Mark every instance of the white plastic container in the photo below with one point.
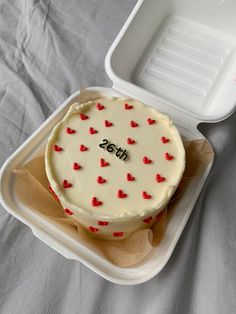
(178, 56)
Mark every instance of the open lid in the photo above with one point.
(179, 56)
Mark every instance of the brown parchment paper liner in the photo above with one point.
(31, 187)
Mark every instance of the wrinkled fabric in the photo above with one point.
(49, 49)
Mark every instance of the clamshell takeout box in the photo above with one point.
(177, 56)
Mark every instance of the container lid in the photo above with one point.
(183, 65)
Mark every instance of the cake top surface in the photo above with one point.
(114, 158)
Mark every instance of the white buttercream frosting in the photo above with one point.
(136, 179)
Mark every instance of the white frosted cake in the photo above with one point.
(114, 165)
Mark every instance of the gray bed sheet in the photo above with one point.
(49, 49)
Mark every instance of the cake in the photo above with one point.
(114, 164)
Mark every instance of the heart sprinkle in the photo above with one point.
(93, 229)
(67, 211)
(147, 220)
(128, 107)
(99, 106)
(66, 184)
(96, 202)
(159, 178)
(103, 163)
(92, 131)
(83, 148)
(108, 123)
(146, 160)
(151, 121)
(102, 223)
(57, 148)
(101, 180)
(164, 140)
(146, 196)
(70, 131)
(76, 166)
(130, 141)
(121, 194)
(133, 124)
(53, 193)
(83, 116)
(118, 234)
(130, 177)
(168, 156)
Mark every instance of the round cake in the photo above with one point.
(114, 164)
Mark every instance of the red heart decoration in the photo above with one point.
(92, 130)
(146, 160)
(130, 141)
(168, 156)
(57, 148)
(93, 229)
(67, 211)
(70, 131)
(99, 106)
(83, 116)
(133, 124)
(83, 148)
(121, 194)
(159, 178)
(164, 140)
(96, 202)
(130, 177)
(51, 189)
(146, 196)
(128, 107)
(108, 123)
(100, 180)
(53, 193)
(66, 184)
(151, 121)
(147, 220)
(103, 163)
(76, 166)
(118, 234)
(102, 223)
